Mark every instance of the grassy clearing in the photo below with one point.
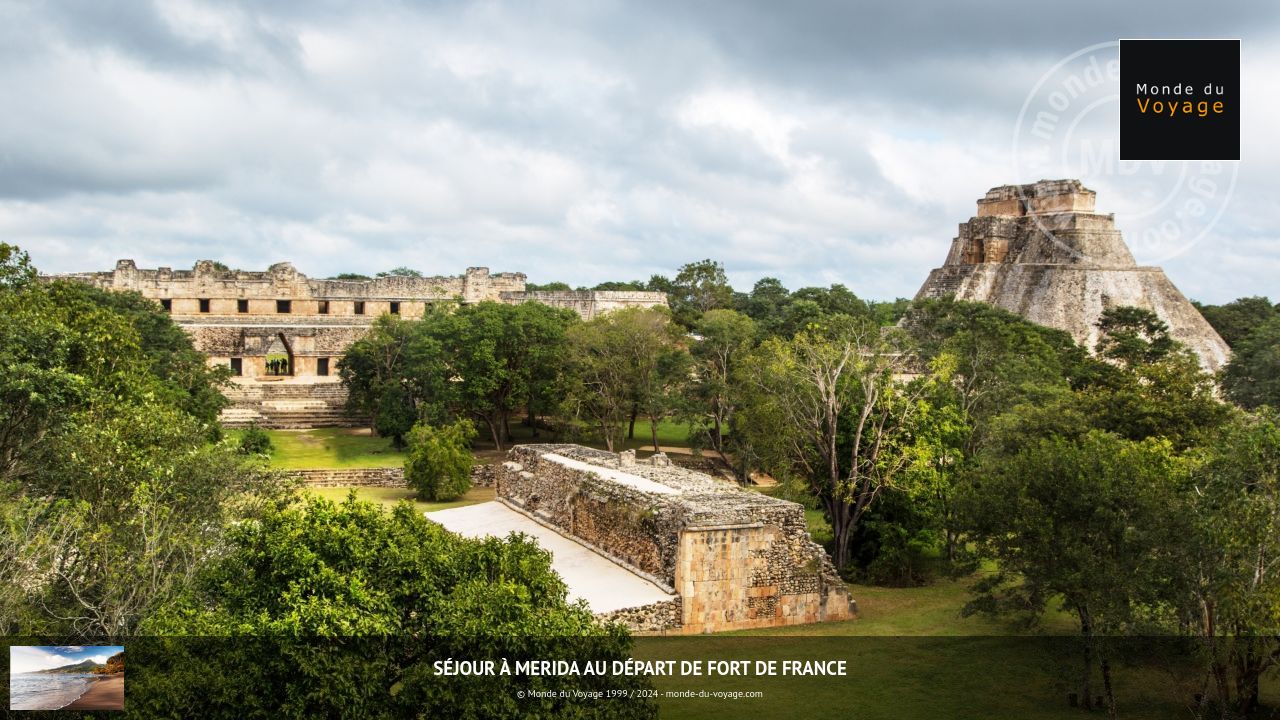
(389, 497)
(343, 448)
(331, 448)
(911, 655)
(904, 678)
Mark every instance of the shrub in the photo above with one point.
(255, 441)
(439, 461)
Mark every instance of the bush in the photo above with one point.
(439, 462)
(255, 441)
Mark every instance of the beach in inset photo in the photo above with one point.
(72, 677)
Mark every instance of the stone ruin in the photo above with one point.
(732, 559)
(1041, 251)
(282, 333)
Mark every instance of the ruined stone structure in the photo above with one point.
(731, 559)
(282, 333)
(1041, 251)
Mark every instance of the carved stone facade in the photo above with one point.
(1041, 251)
(734, 559)
(247, 319)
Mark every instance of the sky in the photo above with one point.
(816, 142)
(30, 658)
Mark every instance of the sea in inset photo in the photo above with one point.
(72, 677)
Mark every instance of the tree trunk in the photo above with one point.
(841, 528)
(631, 427)
(653, 432)
(506, 426)
(531, 418)
(1248, 672)
(1086, 632)
(1106, 686)
(493, 432)
(608, 435)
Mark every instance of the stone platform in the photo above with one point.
(604, 584)
(719, 557)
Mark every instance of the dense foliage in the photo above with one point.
(112, 487)
(483, 361)
(439, 462)
(341, 609)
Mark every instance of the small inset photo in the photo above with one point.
(66, 677)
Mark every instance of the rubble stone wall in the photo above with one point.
(737, 559)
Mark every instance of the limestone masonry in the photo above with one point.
(282, 333)
(733, 559)
(1041, 251)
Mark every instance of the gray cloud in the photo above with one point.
(579, 141)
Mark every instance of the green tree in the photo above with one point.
(439, 462)
(551, 286)
(835, 300)
(401, 271)
(994, 360)
(1223, 536)
(374, 370)
(699, 287)
(766, 304)
(396, 414)
(723, 338)
(1147, 385)
(889, 312)
(1133, 336)
(500, 357)
(482, 361)
(107, 465)
(1252, 376)
(829, 407)
(622, 364)
(1078, 519)
(400, 592)
(1237, 319)
(622, 285)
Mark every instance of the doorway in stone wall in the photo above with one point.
(279, 357)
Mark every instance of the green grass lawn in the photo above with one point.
(341, 448)
(911, 655)
(332, 448)
(389, 497)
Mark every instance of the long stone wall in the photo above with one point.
(354, 477)
(737, 559)
(240, 318)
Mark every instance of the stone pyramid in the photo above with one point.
(1041, 251)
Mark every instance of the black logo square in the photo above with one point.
(1179, 99)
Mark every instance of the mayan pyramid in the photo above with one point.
(1041, 251)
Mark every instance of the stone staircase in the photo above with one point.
(288, 406)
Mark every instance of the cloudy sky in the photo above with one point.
(30, 658)
(586, 141)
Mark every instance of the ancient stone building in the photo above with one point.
(282, 333)
(688, 553)
(1041, 251)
